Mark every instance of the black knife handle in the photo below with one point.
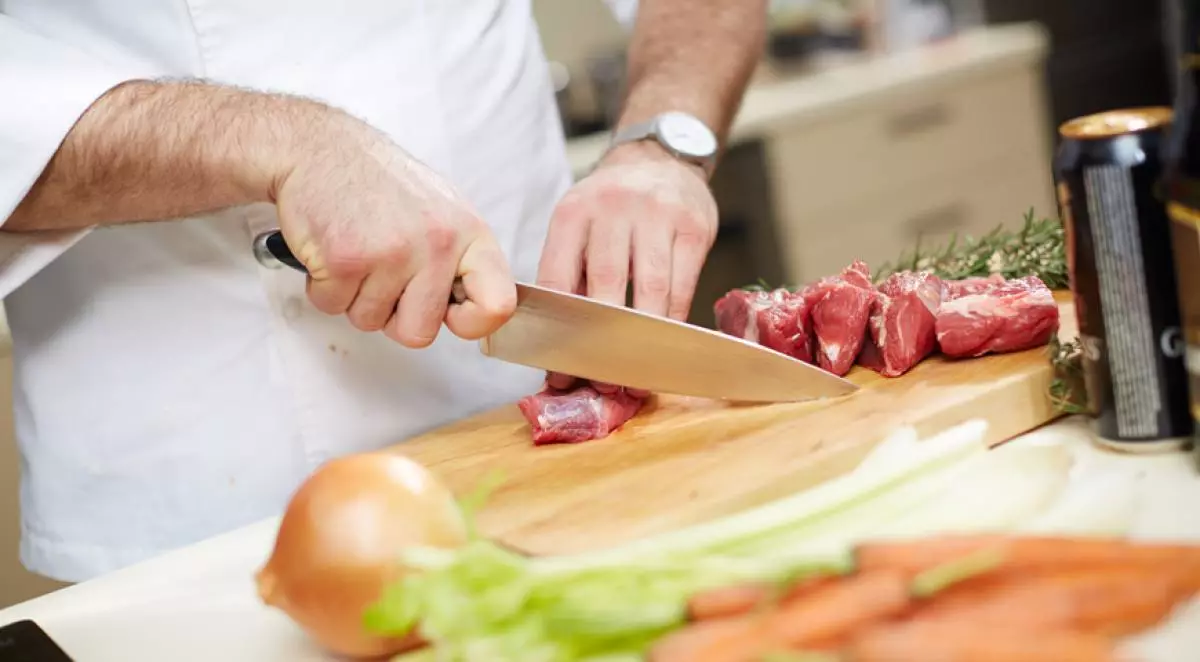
(272, 251)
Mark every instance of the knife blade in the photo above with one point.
(575, 335)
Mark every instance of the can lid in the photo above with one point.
(1116, 122)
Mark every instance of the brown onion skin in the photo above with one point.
(339, 543)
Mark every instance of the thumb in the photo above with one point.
(491, 292)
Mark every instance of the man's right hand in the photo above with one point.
(384, 237)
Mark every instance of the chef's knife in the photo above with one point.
(578, 336)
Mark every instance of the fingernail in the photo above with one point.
(637, 393)
(607, 389)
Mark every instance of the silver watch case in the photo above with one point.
(682, 135)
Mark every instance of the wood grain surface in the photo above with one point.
(685, 460)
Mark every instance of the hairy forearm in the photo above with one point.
(159, 150)
(695, 56)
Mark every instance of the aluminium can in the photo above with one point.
(1108, 175)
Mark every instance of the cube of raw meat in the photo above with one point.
(902, 322)
(580, 414)
(778, 319)
(840, 307)
(959, 288)
(1020, 314)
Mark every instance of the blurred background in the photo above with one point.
(870, 125)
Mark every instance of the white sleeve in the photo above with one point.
(47, 85)
(624, 10)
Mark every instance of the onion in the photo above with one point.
(339, 545)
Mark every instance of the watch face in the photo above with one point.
(686, 135)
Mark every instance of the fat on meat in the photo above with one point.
(779, 319)
(1018, 314)
(959, 288)
(902, 322)
(841, 306)
(578, 414)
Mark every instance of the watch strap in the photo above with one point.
(648, 129)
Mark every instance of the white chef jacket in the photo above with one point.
(166, 386)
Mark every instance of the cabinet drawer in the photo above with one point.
(880, 228)
(906, 139)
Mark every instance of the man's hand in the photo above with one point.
(643, 216)
(383, 238)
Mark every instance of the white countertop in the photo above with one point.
(772, 106)
(199, 603)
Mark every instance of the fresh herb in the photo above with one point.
(758, 286)
(1067, 391)
(1037, 249)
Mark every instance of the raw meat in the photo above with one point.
(902, 322)
(778, 319)
(840, 307)
(580, 414)
(960, 288)
(1017, 315)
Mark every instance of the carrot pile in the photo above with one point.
(987, 598)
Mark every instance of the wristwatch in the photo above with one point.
(682, 135)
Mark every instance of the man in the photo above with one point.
(167, 387)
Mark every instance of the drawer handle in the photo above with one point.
(918, 120)
(936, 221)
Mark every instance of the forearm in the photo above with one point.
(695, 56)
(147, 151)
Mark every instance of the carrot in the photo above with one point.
(689, 643)
(1110, 601)
(963, 642)
(745, 598)
(1021, 553)
(817, 619)
(830, 613)
(729, 601)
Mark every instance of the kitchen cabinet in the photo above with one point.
(922, 163)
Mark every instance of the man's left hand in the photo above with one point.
(643, 216)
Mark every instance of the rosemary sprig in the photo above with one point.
(1037, 249)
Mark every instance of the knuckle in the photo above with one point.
(410, 338)
(397, 250)
(655, 285)
(501, 307)
(611, 195)
(441, 239)
(605, 275)
(345, 261)
(368, 319)
(571, 210)
(694, 235)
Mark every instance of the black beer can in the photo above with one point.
(1108, 174)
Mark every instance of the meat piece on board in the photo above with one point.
(778, 319)
(959, 288)
(580, 414)
(840, 307)
(902, 322)
(1020, 314)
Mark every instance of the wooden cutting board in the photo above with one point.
(685, 460)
